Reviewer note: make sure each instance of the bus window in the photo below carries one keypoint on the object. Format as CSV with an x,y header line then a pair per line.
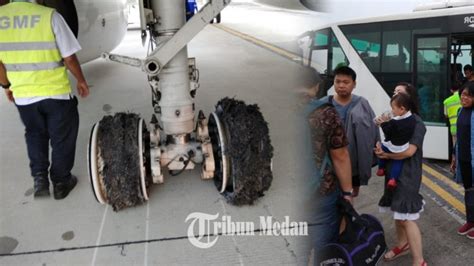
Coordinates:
x,y
465,56
325,56
318,56
321,38
366,40
338,58
319,60
431,53
431,77
396,51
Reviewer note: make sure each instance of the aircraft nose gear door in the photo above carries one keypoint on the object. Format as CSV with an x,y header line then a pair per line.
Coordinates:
x,y
232,146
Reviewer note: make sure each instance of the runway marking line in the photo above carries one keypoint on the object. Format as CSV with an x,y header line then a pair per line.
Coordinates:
x,y
444,179
147,232
277,50
137,242
455,203
99,236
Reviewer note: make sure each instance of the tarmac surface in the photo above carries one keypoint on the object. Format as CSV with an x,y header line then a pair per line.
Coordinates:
x,y
80,231
438,224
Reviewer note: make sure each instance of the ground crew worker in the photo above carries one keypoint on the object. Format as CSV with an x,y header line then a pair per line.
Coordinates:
x,y
451,107
36,47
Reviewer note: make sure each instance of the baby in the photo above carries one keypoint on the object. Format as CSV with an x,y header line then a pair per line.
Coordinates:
x,y
397,130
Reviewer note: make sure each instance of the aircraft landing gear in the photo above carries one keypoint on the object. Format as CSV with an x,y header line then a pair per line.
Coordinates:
x,y
233,146
242,151
236,151
118,161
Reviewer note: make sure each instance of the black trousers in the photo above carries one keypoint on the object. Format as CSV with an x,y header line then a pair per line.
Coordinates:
x,y
356,181
55,121
466,173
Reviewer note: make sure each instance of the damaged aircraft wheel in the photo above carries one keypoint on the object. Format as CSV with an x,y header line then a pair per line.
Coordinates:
x,y
118,161
242,150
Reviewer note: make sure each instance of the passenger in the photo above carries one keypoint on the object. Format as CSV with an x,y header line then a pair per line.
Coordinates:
x,y
426,98
451,108
463,160
310,84
398,131
327,168
468,74
405,202
41,91
407,88
357,116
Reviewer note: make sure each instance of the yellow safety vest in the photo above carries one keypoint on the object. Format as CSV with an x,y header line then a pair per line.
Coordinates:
x,y
452,105
28,50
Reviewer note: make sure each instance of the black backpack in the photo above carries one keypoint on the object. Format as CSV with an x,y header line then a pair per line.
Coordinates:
x,y
362,242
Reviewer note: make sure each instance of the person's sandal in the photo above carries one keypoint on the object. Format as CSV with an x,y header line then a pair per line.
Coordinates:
x,y
398,252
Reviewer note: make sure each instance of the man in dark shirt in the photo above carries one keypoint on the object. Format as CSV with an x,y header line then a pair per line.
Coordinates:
x,y
327,167
354,112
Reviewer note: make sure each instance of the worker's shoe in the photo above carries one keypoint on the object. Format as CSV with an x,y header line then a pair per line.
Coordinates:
x,y
41,186
466,228
62,189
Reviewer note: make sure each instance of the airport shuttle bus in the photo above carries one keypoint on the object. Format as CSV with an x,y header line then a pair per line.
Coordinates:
x,y
428,48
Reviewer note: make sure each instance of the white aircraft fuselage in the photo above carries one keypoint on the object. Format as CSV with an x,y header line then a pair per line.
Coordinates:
x,y
102,26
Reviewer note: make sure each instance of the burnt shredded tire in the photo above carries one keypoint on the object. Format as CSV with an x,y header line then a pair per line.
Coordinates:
x,y
118,143
249,151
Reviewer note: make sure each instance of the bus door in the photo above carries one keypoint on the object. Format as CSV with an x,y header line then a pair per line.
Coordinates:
x,y
431,74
